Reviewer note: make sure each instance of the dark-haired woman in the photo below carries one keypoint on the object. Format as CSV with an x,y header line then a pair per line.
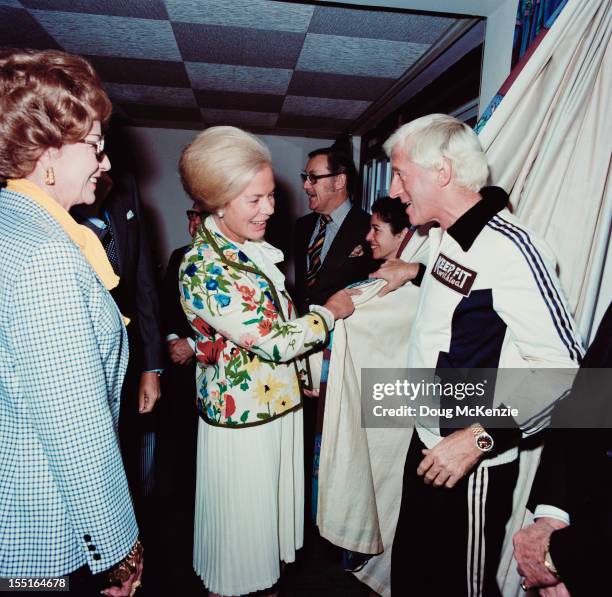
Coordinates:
x,y
389,225
65,508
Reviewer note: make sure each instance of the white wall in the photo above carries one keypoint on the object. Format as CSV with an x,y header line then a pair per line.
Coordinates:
x,y
497,51
155,154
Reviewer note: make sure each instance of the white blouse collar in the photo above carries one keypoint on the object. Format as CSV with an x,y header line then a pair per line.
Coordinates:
x,y
261,253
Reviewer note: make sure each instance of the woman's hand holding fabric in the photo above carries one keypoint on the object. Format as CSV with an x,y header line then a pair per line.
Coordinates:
x,y
340,304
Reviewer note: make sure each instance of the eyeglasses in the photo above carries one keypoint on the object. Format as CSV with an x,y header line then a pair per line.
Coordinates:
x,y
192,214
98,145
313,178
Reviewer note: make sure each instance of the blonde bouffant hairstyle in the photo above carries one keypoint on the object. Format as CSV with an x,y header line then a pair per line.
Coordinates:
x,y
220,163
48,98
428,140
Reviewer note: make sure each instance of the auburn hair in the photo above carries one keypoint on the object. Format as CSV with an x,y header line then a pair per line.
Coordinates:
x,y
47,99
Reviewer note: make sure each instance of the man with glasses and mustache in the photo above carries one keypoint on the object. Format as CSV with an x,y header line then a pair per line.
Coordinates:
x,y
330,253
330,247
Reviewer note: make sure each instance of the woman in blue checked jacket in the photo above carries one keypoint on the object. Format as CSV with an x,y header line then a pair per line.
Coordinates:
x,y
65,508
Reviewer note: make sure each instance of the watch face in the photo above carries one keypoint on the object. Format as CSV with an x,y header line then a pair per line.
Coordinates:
x,y
484,442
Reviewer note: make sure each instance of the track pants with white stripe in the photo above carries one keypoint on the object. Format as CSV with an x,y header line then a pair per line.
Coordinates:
x,y
448,541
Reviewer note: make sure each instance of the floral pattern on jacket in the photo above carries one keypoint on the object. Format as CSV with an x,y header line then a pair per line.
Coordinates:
x,y
248,341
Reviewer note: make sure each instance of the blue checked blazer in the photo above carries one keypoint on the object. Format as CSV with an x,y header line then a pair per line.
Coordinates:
x,y
64,499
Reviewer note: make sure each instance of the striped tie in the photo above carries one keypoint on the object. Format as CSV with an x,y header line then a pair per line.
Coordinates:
x,y
314,250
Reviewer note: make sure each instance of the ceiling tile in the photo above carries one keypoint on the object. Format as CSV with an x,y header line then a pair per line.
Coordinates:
x,y
323,106
257,102
20,21
395,26
358,56
312,123
239,117
162,113
246,79
178,97
146,9
110,36
141,72
253,14
234,45
338,86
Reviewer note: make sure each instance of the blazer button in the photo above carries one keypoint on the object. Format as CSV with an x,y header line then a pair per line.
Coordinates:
x,y
97,556
91,547
87,538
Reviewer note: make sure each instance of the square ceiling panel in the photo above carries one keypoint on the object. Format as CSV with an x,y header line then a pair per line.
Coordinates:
x,y
358,56
324,106
103,35
237,45
153,95
248,14
243,79
139,71
144,9
239,117
267,65
392,26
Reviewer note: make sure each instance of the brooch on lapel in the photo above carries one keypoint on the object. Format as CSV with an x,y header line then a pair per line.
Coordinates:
x,y
129,215
356,252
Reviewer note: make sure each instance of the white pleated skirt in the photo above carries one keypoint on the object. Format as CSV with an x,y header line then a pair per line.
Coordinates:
x,y
249,506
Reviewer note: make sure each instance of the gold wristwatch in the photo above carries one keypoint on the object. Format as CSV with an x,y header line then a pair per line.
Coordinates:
x,y
484,441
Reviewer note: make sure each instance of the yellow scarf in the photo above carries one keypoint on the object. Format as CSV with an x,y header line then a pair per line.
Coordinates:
x,y
83,237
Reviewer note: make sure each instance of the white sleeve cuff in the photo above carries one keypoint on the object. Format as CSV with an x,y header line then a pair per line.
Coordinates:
x,y
171,337
325,313
544,510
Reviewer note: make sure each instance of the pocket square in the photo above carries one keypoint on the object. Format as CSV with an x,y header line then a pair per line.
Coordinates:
x,y
356,252
129,215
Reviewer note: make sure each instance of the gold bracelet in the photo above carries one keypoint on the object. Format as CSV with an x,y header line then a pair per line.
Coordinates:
x,y
126,567
549,564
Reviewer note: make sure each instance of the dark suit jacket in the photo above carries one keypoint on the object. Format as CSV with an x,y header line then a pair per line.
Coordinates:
x,y
136,294
173,316
575,473
338,269
177,426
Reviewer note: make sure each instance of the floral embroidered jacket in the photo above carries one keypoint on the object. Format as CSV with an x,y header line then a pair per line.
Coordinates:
x,y
248,340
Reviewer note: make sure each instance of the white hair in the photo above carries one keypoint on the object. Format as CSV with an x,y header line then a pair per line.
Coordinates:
x,y
426,141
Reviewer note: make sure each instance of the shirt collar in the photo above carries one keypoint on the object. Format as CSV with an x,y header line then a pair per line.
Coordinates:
x,y
97,222
470,224
340,213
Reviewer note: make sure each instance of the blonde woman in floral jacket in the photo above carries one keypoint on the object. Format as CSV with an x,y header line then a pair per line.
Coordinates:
x,y
250,374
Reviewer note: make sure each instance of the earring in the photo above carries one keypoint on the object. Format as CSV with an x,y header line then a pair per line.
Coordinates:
x,y
220,213
50,177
